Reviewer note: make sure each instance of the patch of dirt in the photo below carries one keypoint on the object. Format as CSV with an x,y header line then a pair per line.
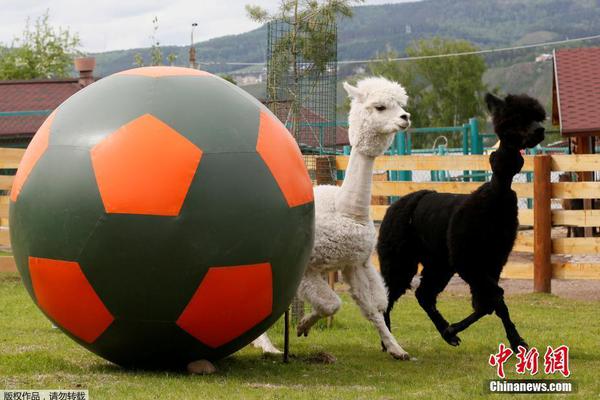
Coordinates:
x,y
320,357
575,289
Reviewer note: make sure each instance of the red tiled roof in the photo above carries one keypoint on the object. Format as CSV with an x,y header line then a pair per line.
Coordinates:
x,y
576,99
29,96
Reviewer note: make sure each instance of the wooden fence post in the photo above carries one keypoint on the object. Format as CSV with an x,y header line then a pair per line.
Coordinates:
x,y
324,170
542,224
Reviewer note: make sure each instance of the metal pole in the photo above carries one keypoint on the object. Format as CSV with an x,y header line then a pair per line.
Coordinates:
x,y
393,175
192,55
346,152
529,178
465,142
403,150
286,336
465,138
442,151
476,146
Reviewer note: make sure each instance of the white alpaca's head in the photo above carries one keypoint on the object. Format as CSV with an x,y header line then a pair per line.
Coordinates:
x,y
376,114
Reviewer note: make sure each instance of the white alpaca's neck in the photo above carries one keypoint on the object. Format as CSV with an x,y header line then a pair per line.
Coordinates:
x,y
354,198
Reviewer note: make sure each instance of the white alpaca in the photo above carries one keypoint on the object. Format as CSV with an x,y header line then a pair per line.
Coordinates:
x,y
344,232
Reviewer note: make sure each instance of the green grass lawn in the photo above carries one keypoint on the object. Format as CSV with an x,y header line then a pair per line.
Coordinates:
x,y
34,355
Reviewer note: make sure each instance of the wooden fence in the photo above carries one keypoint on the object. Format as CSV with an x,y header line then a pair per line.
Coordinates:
x,y
9,159
542,218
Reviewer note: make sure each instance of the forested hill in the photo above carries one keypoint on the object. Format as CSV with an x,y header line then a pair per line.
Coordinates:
x,y
489,23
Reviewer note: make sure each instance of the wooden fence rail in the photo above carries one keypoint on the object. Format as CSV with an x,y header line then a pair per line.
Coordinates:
x,y
542,218
9,160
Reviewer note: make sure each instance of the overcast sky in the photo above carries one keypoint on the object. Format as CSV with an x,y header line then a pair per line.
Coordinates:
x,y
122,24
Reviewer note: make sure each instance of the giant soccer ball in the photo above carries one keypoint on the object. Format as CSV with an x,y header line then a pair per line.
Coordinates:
x,y
162,215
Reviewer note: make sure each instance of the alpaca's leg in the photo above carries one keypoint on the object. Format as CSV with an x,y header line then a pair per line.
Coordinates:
x,y
486,294
264,343
368,291
397,280
315,290
486,297
432,284
453,329
377,286
399,288
398,272
511,331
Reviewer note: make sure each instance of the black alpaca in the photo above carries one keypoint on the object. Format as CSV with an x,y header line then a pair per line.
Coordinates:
x,y
471,235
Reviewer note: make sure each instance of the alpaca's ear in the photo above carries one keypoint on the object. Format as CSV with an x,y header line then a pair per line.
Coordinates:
x,y
353,92
493,103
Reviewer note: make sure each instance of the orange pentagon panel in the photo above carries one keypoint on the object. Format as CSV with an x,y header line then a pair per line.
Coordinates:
x,y
65,295
145,167
280,152
160,71
35,150
228,302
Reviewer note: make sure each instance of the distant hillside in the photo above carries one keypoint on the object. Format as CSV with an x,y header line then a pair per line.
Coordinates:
x,y
534,79
247,47
489,23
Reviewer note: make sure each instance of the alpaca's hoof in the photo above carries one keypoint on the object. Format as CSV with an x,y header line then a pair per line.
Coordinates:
x,y
399,354
264,343
514,345
302,330
273,351
453,341
450,337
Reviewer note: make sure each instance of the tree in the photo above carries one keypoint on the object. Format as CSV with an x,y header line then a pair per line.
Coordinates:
x,y
444,91
406,74
156,54
228,78
42,52
306,19
304,50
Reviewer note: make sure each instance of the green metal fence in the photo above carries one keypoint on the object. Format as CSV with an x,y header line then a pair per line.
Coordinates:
x,y
472,143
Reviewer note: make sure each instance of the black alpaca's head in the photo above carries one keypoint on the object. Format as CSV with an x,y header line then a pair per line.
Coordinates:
x,y
517,120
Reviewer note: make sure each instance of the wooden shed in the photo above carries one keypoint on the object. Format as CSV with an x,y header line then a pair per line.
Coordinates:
x,y
576,105
25,104
576,96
